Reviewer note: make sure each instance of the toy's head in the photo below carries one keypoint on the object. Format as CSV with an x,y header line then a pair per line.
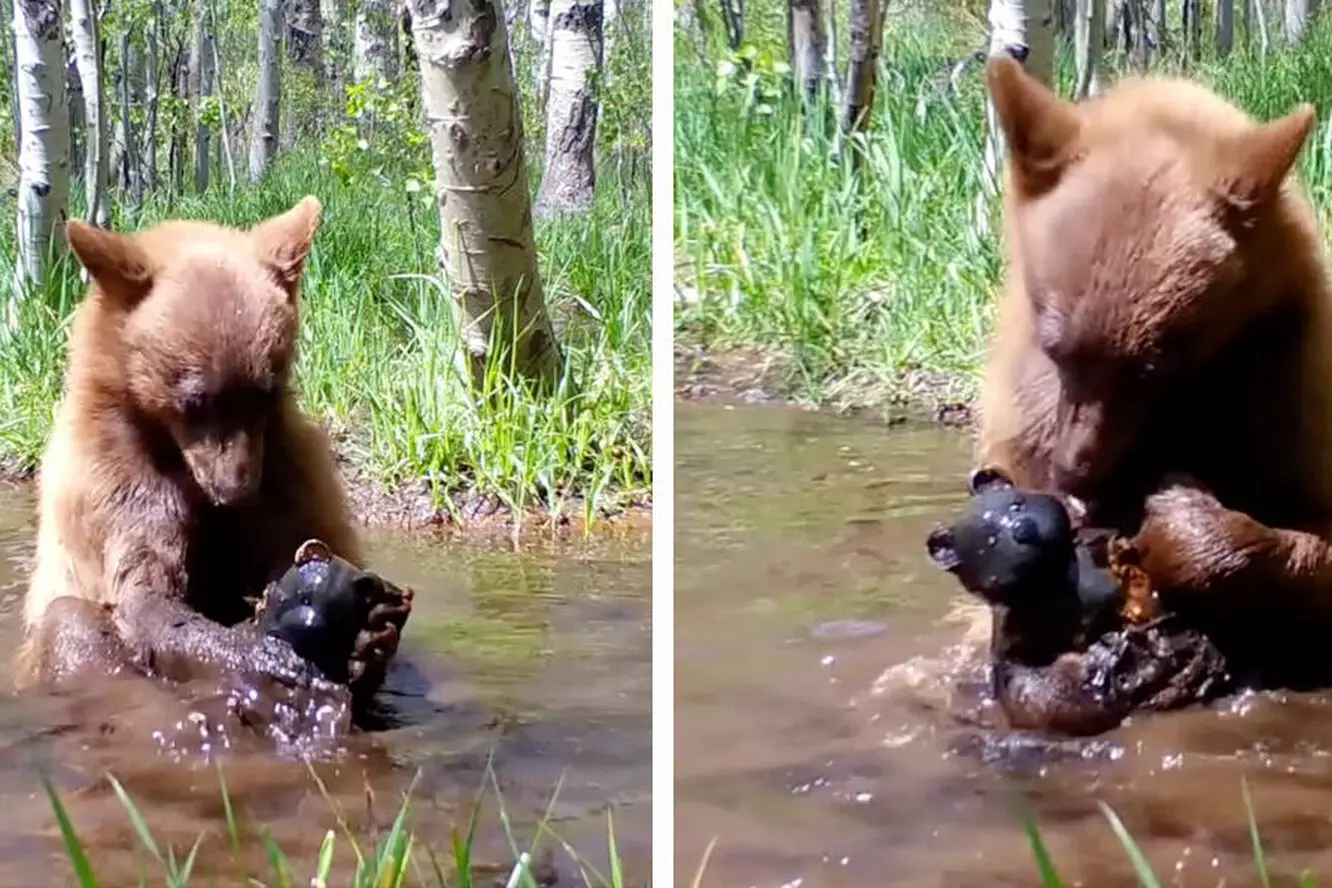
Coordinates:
x,y
1011,545
318,607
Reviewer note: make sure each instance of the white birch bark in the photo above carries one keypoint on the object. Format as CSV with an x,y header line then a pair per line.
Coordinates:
x,y
1299,13
202,54
1225,26
96,157
1023,29
487,251
1088,27
336,49
808,45
43,186
268,94
305,38
570,178
154,89
375,52
538,18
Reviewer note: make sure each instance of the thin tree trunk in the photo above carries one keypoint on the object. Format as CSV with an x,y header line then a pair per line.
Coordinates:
x,y
130,66
733,16
375,52
1299,13
268,95
806,44
78,118
486,246
832,62
336,50
11,58
1162,26
569,182
154,92
538,19
1088,26
1023,29
43,185
1225,26
305,38
222,118
862,67
202,54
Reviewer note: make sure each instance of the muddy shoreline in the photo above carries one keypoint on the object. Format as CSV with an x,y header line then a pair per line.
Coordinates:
x,y
750,376
409,507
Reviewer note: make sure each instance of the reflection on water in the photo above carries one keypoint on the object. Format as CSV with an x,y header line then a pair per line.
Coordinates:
x,y
829,726
537,662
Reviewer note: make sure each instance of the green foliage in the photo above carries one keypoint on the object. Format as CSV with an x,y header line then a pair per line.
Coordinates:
x,y
381,131
864,281
379,344
379,350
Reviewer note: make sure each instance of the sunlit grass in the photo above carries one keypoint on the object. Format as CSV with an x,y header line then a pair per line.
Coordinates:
x,y
400,857
379,343
857,278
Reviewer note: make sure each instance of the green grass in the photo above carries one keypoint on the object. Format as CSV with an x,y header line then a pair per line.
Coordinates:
x,y
400,857
1147,877
854,280
379,344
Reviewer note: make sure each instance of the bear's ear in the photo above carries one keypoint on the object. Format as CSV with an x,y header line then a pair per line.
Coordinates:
x,y
283,241
1040,129
942,549
115,262
988,478
1253,165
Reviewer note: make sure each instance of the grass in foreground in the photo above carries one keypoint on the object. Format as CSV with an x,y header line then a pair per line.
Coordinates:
x,y
398,858
1147,877
379,344
854,279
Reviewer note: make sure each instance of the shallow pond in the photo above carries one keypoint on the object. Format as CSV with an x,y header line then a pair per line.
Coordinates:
x,y
828,718
536,662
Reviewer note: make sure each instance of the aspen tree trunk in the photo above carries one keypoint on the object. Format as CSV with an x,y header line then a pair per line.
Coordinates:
x,y
1299,13
569,181
268,95
202,53
487,250
1088,27
305,38
862,67
336,49
43,185
222,117
538,19
375,52
807,43
154,84
78,120
832,64
1023,29
1162,26
131,72
1225,26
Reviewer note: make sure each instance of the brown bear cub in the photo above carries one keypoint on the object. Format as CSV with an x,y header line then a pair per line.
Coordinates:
x,y
1163,350
180,475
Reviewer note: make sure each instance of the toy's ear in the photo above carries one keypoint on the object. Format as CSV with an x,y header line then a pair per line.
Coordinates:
x,y
988,478
943,551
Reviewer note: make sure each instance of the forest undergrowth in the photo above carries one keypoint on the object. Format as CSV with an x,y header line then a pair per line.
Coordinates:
x,y
874,289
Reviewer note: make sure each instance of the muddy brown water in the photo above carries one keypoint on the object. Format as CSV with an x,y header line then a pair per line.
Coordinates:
x,y
537,662
829,717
